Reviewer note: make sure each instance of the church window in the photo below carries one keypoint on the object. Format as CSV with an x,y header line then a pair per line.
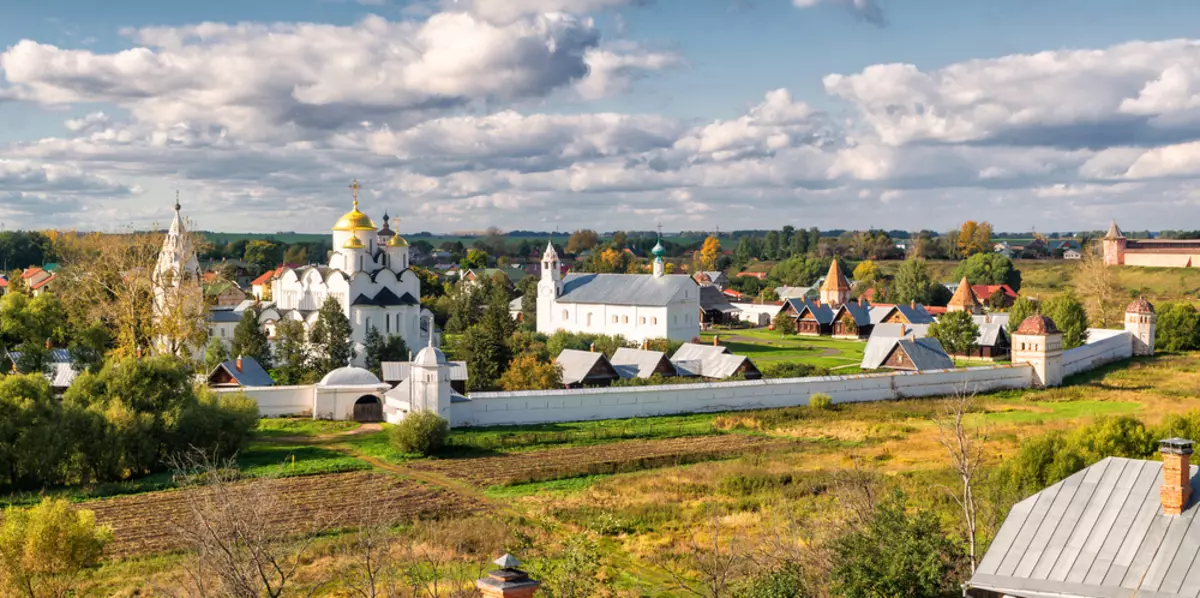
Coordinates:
x,y
654,320
614,319
624,319
387,322
589,319
565,315
643,319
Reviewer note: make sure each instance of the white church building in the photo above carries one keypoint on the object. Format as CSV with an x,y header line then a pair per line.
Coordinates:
x,y
636,306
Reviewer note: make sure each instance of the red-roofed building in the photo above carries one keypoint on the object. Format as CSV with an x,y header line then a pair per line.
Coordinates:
x,y
37,279
985,291
262,285
758,275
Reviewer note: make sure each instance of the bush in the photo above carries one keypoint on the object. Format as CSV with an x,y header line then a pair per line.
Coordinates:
x,y
792,370
43,549
420,432
820,401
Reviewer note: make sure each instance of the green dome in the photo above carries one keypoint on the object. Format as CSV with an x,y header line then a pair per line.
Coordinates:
x,y
659,250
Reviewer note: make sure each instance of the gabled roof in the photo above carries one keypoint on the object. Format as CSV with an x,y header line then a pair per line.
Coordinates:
x,y
983,291
251,374
397,371
915,313
708,361
577,365
636,363
384,298
1100,532
711,298
820,311
696,352
626,289
925,353
884,337
861,312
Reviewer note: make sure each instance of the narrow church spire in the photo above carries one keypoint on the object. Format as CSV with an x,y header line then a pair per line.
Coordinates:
x,y
177,201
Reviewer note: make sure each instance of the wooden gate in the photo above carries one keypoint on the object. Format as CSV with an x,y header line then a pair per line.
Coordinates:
x,y
368,409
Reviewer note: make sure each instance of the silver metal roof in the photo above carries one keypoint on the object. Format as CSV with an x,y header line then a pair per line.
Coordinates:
x,y
708,361
636,363
1100,532
711,298
627,289
884,337
926,353
697,352
252,373
397,371
576,364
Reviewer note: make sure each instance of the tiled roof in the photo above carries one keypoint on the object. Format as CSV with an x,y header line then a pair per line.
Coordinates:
x,y
835,281
1139,306
1114,232
965,297
1037,324
1100,532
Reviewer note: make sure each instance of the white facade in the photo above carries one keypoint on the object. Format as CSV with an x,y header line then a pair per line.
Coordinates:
x,y
669,309
368,277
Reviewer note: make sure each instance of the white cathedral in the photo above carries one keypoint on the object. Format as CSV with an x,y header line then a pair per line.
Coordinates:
x,y
368,275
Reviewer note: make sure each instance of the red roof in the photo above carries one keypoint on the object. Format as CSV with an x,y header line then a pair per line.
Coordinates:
x,y
1139,306
3,282
41,283
1037,324
269,275
983,291
733,293
30,272
758,275
935,310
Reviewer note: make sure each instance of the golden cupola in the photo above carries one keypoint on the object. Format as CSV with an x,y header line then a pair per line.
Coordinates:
x,y
397,240
353,243
354,220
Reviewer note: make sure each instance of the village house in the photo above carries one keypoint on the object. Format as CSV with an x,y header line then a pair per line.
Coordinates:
x,y
61,368
585,368
712,362
641,363
1120,528
715,278
239,372
715,307
905,352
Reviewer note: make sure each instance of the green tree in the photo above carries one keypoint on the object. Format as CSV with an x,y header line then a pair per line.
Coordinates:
x,y
1021,309
474,259
894,553
379,348
262,255
87,348
582,240
528,290
25,319
1178,328
215,353
250,340
1069,317
784,323
486,343
912,283
989,268
292,354
866,272
956,331
32,445
330,338
43,550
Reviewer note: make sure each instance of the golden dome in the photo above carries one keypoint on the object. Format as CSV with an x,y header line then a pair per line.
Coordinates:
x,y
397,241
354,220
353,243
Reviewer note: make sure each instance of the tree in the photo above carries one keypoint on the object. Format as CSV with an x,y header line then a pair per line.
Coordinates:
x,y
710,252
486,343
330,338
43,550
528,288
989,268
893,554
38,320
1096,284
1178,328
527,372
866,272
250,340
32,445
215,353
1021,309
912,283
296,254
964,444
974,237
379,349
956,331
582,240
292,357
784,323
474,259
709,565
1070,318
262,255
420,432
620,239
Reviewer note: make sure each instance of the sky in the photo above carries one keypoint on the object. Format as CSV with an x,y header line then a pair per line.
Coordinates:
x,y
458,115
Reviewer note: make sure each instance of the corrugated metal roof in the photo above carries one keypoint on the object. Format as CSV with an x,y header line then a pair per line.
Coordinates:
x,y
926,353
251,374
696,352
708,361
636,363
711,298
397,371
822,312
56,356
576,365
1100,532
884,337
627,289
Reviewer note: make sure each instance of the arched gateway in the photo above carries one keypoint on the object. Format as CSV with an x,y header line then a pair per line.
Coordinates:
x,y
368,408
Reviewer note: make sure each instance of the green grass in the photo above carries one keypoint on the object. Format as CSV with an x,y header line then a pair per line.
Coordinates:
x,y
377,445
267,459
566,486
764,346
530,437
301,427
1062,410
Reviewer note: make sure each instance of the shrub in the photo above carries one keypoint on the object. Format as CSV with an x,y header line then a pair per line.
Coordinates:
x,y
820,401
420,432
792,370
43,549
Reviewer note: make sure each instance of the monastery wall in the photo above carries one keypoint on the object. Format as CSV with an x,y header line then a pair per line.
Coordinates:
x,y
546,406
1105,348
278,401
1161,260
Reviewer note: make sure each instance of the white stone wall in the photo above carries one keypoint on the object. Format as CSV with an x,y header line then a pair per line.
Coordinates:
x,y
278,401
1101,349
753,312
501,408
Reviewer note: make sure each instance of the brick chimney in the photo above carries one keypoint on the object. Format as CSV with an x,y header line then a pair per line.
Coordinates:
x,y
903,330
238,363
508,581
48,344
716,340
912,303
1177,474
592,347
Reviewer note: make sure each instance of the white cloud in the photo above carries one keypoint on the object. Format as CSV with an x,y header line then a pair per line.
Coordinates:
x,y
612,69
507,11
867,10
1139,92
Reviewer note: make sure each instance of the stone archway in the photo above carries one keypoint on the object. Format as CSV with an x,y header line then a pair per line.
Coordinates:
x,y
368,409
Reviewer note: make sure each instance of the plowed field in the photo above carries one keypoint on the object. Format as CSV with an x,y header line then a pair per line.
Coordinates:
x,y
148,523
632,455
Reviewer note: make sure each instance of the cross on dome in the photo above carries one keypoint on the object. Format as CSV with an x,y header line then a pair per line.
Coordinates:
x,y
354,189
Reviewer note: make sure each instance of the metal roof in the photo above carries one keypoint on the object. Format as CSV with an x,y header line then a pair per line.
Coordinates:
x,y
636,363
251,374
860,312
627,289
708,361
56,356
925,353
711,298
696,351
821,312
397,371
577,365
1100,532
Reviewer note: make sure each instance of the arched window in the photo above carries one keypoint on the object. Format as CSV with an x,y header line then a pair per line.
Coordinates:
x,y
643,321
589,318
624,319
654,320
614,321
565,316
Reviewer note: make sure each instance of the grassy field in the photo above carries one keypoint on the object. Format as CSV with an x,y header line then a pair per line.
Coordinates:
x,y
763,347
640,497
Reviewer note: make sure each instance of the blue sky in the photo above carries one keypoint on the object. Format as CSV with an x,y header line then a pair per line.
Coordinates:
x,y
602,113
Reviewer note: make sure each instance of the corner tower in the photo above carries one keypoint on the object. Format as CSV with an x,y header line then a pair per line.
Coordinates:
x,y
1114,246
836,289
1038,342
1140,322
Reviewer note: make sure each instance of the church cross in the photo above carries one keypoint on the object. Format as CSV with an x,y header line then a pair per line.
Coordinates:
x,y
354,189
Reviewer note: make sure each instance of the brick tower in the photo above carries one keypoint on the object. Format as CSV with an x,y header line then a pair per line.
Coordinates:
x,y
1140,321
1038,342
